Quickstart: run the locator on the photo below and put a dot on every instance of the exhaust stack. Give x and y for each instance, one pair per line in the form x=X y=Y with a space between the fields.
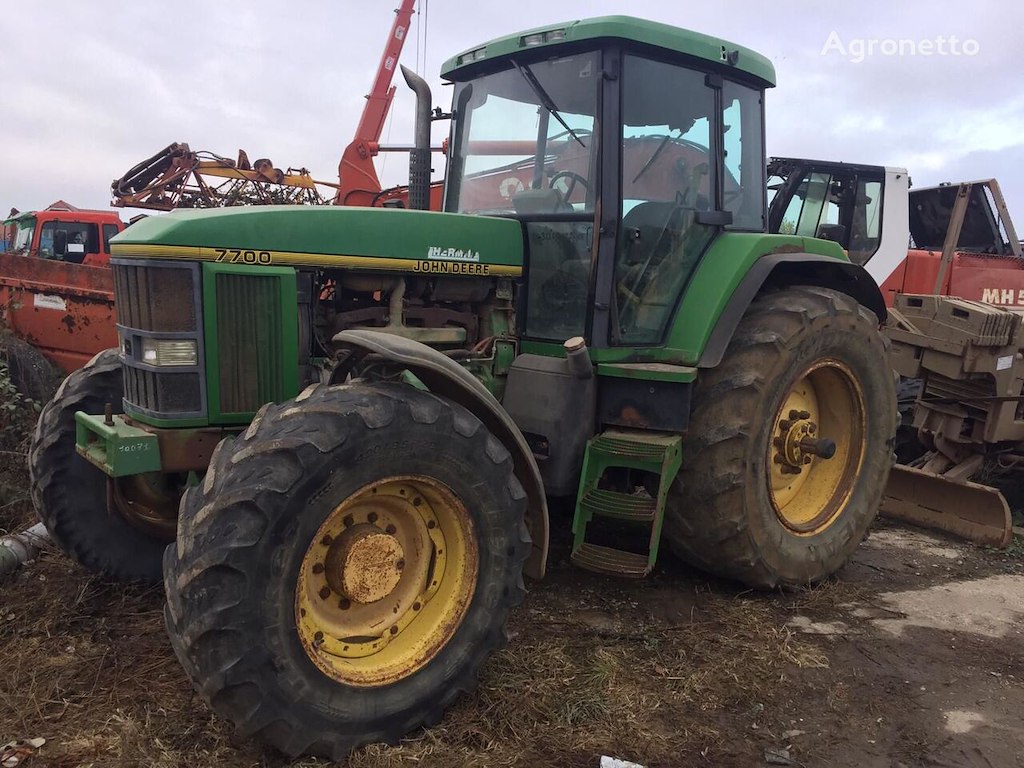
x=419 y=156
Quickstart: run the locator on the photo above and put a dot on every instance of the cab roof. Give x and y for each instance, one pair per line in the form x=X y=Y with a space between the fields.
x=721 y=53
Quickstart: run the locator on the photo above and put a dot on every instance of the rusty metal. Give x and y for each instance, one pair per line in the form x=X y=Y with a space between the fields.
x=185 y=450
x=957 y=506
x=65 y=310
x=148 y=502
x=177 y=177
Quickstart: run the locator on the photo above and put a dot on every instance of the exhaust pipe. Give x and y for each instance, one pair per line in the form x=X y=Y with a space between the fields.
x=419 y=157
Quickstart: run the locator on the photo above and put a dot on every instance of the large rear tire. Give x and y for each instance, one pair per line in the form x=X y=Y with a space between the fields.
x=70 y=494
x=346 y=567
x=757 y=499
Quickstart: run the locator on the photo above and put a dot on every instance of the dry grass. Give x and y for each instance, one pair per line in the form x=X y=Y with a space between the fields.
x=17 y=420
x=595 y=666
x=86 y=666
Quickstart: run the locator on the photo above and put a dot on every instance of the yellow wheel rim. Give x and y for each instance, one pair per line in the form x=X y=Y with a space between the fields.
x=386 y=580
x=824 y=406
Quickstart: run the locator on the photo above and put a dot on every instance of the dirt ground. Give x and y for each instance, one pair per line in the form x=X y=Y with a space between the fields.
x=911 y=657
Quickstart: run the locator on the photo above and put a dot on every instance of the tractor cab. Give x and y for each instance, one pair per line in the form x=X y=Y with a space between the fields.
x=624 y=148
x=863 y=208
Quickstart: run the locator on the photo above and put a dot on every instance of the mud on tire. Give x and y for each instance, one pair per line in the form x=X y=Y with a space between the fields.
x=231 y=581
x=720 y=515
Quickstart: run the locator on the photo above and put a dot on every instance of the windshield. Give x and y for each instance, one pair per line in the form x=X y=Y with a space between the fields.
x=526 y=142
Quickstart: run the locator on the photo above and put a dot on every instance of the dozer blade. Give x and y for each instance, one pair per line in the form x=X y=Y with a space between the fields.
x=969 y=510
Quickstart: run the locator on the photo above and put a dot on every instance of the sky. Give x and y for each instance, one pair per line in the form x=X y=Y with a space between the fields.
x=91 y=88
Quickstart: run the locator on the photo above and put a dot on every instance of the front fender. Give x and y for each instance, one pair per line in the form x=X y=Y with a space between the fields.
x=444 y=377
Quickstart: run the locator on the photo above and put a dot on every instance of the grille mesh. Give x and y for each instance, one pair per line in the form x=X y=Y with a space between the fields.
x=155 y=298
x=249 y=340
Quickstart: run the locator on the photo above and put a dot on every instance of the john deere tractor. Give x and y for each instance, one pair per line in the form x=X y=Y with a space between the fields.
x=351 y=419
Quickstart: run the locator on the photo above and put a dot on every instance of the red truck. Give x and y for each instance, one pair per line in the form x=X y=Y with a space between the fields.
x=56 y=292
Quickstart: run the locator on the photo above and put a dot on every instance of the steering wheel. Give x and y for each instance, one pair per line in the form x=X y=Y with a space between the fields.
x=574 y=179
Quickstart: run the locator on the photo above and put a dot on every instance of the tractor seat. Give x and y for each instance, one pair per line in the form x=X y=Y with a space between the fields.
x=644 y=229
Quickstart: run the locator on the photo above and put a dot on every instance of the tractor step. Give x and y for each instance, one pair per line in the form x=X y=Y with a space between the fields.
x=612 y=562
x=656 y=454
x=622 y=506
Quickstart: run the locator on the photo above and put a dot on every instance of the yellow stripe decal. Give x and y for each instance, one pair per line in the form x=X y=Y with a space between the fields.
x=244 y=256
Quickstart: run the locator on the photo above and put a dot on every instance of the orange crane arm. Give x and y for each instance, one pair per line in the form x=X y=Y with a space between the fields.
x=358 y=183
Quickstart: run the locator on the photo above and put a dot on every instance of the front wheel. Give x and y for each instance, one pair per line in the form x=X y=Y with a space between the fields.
x=116 y=527
x=790 y=443
x=346 y=567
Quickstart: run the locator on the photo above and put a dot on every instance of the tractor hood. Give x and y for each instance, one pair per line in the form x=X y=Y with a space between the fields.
x=389 y=239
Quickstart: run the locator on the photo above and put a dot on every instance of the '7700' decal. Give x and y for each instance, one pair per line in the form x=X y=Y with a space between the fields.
x=236 y=256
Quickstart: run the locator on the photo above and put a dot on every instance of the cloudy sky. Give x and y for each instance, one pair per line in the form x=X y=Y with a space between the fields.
x=91 y=88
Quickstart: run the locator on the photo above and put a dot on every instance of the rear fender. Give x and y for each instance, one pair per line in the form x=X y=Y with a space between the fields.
x=778 y=270
x=446 y=378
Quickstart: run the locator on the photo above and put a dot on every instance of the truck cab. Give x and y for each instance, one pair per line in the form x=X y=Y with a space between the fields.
x=63 y=232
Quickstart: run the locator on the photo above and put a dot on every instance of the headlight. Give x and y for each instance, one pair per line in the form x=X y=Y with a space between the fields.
x=169 y=352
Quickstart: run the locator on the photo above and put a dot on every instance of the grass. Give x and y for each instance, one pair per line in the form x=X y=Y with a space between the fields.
x=86 y=666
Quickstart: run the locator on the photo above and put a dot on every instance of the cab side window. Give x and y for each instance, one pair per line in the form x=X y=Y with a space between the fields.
x=109 y=230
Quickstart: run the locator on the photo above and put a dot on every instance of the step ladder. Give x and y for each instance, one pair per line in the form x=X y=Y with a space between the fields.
x=653 y=452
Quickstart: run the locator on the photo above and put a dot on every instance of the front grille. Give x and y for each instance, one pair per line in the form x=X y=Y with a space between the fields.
x=250 y=341
x=157 y=301
x=156 y=298
x=163 y=393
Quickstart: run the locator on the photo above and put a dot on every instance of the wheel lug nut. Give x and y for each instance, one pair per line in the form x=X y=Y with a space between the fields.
x=778 y=442
x=394 y=630
x=416 y=606
x=325 y=592
x=372 y=517
x=344 y=603
x=390 y=529
x=348 y=521
x=327 y=539
x=318 y=568
x=785 y=424
x=318 y=638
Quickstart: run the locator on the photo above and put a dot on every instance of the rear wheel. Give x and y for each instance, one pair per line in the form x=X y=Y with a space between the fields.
x=346 y=567
x=790 y=443
x=125 y=540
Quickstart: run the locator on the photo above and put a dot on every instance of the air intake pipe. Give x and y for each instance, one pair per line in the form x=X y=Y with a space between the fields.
x=419 y=156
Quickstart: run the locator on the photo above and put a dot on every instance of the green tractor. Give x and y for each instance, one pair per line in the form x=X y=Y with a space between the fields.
x=346 y=422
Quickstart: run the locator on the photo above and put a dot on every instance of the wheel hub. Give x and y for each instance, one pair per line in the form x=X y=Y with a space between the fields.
x=364 y=564
x=385 y=580
x=810 y=477
x=797 y=443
